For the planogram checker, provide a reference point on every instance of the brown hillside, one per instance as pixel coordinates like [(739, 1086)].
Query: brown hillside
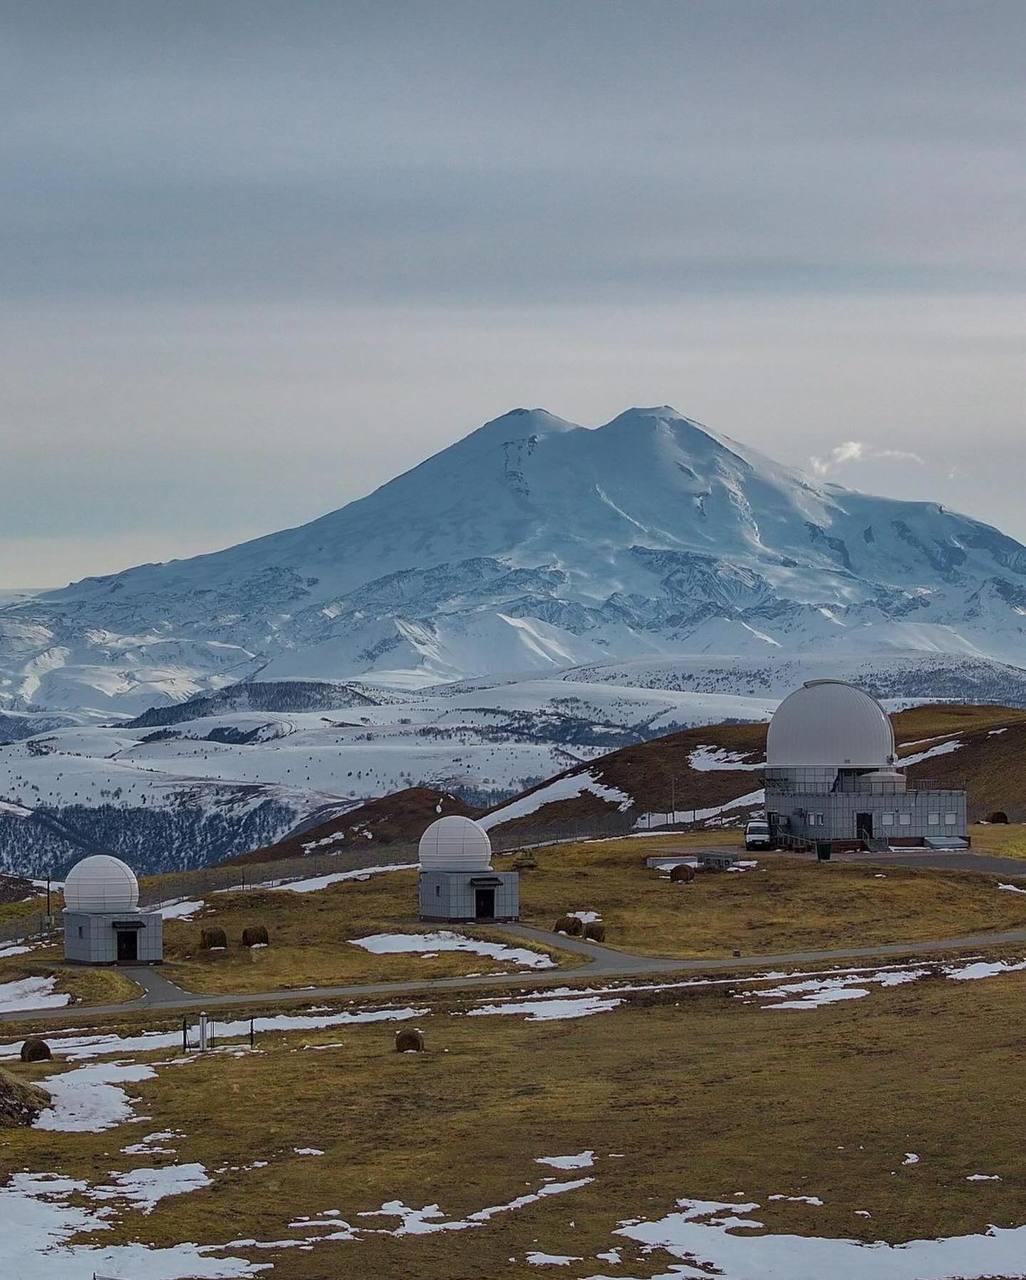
[(657, 775), (399, 818)]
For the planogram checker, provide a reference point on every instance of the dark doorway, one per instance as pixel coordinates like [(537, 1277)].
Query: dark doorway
[(128, 946), (864, 826), (484, 904)]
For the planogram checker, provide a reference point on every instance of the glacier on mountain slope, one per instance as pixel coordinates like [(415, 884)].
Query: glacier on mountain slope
[(530, 546)]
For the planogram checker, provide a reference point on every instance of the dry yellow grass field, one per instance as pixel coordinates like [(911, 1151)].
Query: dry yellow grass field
[(784, 905), (667, 1092), (310, 939), (1006, 840)]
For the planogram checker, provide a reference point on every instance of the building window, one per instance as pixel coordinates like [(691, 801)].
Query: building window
[(81, 931), (950, 819), (887, 820), (905, 819), (438, 890), (933, 819)]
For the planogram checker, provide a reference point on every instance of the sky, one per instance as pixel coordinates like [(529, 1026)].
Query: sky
[(257, 258)]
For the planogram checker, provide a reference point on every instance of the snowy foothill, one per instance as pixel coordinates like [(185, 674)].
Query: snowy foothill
[(445, 940)]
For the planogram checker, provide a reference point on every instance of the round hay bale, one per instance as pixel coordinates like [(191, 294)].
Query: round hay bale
[(409, 1040), (35, 1050), (213, 938), (1000, 816), (595, 930), (569, 925), (682, 874), (255, 935)]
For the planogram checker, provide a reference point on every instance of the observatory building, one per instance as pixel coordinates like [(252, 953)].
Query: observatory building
[(102, 920), (456, 879), (833, 778)]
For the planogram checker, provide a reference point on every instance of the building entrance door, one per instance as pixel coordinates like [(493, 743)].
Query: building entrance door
[(484, 904), (128, 946), (864, 826)]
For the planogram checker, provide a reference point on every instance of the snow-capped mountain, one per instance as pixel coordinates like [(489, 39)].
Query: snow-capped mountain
[(534, 545)]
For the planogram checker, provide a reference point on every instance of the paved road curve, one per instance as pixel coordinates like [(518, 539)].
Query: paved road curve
[(161, 995)]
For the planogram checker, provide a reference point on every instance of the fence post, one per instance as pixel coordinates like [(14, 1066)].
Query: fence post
[(252, 1037), (185, 1034)]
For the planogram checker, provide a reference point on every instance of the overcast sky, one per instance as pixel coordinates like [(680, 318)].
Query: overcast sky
[(256, 257)]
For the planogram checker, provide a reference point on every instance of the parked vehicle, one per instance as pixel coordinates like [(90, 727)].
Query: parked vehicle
[(757, 834)]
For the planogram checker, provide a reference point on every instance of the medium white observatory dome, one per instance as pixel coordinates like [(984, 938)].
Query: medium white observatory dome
[(101, 883), (455, 844), (833, 724)]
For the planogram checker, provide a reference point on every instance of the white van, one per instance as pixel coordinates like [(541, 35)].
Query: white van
[(757, 834)]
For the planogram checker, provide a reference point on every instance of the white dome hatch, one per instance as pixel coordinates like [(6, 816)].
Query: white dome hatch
[(101, 883), (833, 724), (455, 844)]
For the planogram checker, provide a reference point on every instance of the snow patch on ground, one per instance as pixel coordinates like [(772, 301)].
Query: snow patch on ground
[(706, 1242), (90, 1099), (941, 749), (322, 882), (30, 993), (181, 910), (708, 759), (568, 788), (583, 1160), (145, 1188), (76, 1048), (548, 1010), (445, 940), (39, 1223)]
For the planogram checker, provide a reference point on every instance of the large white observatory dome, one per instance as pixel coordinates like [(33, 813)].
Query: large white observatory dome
[(101, 883), (455, 844), (833, 724)]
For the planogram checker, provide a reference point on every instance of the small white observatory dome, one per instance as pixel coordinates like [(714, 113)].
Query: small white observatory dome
[(833, 724), (455, 844), (101, 883)]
